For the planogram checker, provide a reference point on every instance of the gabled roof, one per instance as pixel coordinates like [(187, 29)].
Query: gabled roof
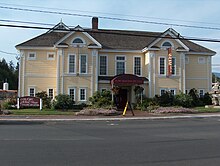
[(111, 39)]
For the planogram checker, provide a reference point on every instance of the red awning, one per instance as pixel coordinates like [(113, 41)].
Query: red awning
[(127, 79)]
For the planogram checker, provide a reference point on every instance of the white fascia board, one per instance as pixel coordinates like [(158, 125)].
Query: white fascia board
[(200, 53), (63, 38), (121, 51), (168, 32), (34, 48), (91, 38), (150, 49)]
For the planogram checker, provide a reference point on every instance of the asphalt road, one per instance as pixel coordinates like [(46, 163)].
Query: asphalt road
[(173, 142)]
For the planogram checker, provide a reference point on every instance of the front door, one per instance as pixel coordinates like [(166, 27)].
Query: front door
[(122, 98)]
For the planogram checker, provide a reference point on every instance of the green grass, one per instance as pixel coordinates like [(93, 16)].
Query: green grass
[(43, 112), (207, 110)]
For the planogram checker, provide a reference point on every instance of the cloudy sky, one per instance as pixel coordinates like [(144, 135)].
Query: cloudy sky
[(200, 13)]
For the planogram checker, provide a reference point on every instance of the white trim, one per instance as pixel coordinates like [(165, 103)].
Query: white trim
[(165, 47), (35, 48), (140, 65), (31, 87), (200, 53), (24, 67), (80, 94), (168, 32), (162, 89), (32, 58), (203, 92), (78, 37), (51, 53), (58, 71), (165, 66), (104, 81), (68, 66), (120, 61), (187, 61), (121, 51), (106, 64), (154, 73), (80, 55), (63, 69), (91, 38), (149, 72), (198, 78), (74, 99)]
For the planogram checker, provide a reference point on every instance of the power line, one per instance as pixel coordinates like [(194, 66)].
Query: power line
[(9, 53), (115, 33), (116, 14), (25, 22), (110, 18)]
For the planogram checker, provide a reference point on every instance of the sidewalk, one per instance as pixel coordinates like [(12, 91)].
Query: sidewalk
[(102, 118)]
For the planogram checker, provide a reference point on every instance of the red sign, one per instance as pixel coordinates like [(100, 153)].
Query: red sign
[(169, 62), (28, 101)]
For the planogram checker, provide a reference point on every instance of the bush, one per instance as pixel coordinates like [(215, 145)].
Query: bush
[(165, 99), (101, 99), (195, 96), (46, 100), (206, 99), (183, 100), (63, 102), (9, 103)]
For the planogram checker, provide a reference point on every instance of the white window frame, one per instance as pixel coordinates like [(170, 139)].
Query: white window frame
[(32, 58), (120, 61), (48, 93), (140, 65), (69, 63), (80, 69), (203, 60), (203, 92), (166, 47), (186, 59), (162, 89), (165, 65), (50, 53), (174, 89), (174, 66), (78, 44), (168, 90), (80, 94), (106, 65), (29, 88), (74, 98)]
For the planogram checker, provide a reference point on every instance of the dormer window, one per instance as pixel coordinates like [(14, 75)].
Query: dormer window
[(166, 44), (78, 41)]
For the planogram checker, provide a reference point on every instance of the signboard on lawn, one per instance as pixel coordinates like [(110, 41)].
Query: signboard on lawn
[(29, 101)]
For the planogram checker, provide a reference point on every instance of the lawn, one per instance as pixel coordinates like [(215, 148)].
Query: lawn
[(207, 110), (43, 112)]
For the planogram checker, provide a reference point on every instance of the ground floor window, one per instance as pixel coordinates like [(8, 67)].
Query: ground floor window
[(164, 90), (50, 93), (82, 94), (31, 92), (201, 92), (72, 93)]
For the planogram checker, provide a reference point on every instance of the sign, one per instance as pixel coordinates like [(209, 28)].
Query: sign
[(28, 101), (169, 73)]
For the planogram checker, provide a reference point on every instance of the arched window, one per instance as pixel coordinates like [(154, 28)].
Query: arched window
[(78, 41), (166, 44)]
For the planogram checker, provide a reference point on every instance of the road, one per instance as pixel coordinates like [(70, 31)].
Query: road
[(172, 142)]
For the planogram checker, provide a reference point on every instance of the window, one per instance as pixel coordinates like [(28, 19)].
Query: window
[(201, 92), (78, 41), (173, 66), (72, 93), (162, 66), (173, 91), (50, 56), (72, 65), (162, 91), (31, 92), (50, 93), (166, 44), (31, 55), (103, 65), (82, 94), (201, 60), (120, 65), (83, 64), (186, 60), (137, 65)]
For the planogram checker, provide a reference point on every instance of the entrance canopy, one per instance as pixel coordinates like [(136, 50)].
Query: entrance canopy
[(127, 79)]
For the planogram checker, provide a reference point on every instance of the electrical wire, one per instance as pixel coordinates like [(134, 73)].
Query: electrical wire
[(109, 18)]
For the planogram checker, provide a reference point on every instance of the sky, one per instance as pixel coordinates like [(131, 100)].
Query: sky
[(201, 13)]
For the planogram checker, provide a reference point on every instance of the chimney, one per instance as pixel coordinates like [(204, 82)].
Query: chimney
[(95, 23)]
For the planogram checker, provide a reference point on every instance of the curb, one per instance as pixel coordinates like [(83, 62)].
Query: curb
[(28, 119)]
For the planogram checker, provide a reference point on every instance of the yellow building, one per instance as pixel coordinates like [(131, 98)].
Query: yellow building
[(81, 61)]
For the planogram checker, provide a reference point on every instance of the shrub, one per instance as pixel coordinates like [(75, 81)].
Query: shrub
[(165, 99), (9, 103), (183, 100), (101, 99), (195, 96), (63, 102), (206, 99), (46, 100)]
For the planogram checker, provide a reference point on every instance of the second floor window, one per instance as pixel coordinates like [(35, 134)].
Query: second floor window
[(103, 65), (162, 63), (83, 64), (137, 65), (71, 63), (120, 65)]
